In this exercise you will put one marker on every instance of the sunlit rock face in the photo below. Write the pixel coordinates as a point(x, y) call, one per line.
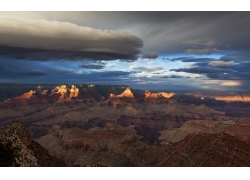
point(149, 94)
point(127, 93)
point(123, 100)
point(44, 92)
point(160, 97)
point(62, 90)
point(74, 91)
point(166, 95)
point(91, 86)
point(113, 96)
point(61, 93)
point(29, 98)
point(27, 95)
point(223, 96)
point(66, 93)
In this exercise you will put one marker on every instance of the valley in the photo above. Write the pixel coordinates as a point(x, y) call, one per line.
point(108, 125)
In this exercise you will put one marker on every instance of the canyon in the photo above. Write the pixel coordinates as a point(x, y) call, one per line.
point(108, 125)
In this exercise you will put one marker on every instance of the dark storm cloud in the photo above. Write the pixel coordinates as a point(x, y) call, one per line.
point(165, 32)
point(64, 72)
point(194, 32)
point(94, 76)
point(247, 65)
point(16, 72)
point(53, 40)
point(170, 34)
point(243, 55)
point(172, 76)
point(48, 55)
point(25, 69)
point(220, 70)
point(10, 70)
point(202, 70)
point(34, 73)
point(192, 59)
point(150, 55)
point(203, 51)
point(178, 59)
point(213, 75)
point(111, 73)
point(93, 66)
point(201, 46)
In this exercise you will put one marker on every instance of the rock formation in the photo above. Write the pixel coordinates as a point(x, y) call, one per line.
point(166, 95)
point(111, 146)
point(44, 92)
point(223, 96)
point(120, 101)
point(127, 128)
point(160, 97)
point(127, 93)
point(91, 86)
point(149, 94)
point(197, 150)
point(18, 149)
point(27, 95)
point(74, 91)
point(114, 146)
point(62, 90)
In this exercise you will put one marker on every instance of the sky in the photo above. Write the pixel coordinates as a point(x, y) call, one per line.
point(172, 50)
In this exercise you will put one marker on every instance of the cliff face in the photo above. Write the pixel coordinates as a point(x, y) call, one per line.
point(29, 98)
point(223, 96)
point(157, 98)
point(70, 94)
point(109, 146)
point(27, 95)
point(149, 94)
point(197, 150)
point(240, 129)
point(18, 149)
point(113, 146)
point(65, 92)
point(60, 93)
point(127, 93)
point(123, 100)
point(127, 98)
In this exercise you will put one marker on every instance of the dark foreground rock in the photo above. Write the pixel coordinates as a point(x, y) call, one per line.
point(18, 149)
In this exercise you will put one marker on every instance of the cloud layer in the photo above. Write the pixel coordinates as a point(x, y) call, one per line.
point(181, 50)
point(50, 40)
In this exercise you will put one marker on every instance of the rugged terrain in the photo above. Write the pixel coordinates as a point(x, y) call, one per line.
point(104, 125)
point(17, 148)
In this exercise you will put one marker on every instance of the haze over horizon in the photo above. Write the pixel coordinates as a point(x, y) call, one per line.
point(145, 50)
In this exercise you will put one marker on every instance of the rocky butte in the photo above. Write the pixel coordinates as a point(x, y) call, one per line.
point(127, 93)
point(160, 97)
point(66, 93)
point(149, 94)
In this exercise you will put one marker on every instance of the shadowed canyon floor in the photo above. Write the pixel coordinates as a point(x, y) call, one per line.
point(104, 125)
